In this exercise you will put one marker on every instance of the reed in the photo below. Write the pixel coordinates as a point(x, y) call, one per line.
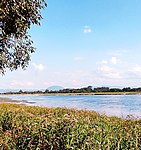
point(26, 127)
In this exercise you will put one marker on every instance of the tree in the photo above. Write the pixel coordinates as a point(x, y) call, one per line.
point(127, 89)
point(16, 17)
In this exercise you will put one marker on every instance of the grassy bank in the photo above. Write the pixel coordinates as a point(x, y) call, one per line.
point(25, 127)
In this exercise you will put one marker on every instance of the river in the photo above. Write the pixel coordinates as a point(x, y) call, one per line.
point(111, 105)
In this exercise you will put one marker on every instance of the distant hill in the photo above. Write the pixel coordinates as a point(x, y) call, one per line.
point(55, 88)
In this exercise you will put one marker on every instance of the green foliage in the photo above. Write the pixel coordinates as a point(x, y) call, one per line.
point(16, 17)
point(24, 127)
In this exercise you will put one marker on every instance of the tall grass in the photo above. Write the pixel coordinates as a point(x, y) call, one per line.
point(34, 128)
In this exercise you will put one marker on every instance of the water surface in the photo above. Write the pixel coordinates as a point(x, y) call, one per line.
point(112, 105)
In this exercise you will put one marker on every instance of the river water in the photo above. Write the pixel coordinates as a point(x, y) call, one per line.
point(111, 105)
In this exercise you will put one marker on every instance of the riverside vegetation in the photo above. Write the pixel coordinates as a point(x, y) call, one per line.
point(82, 91)
point(25, 127)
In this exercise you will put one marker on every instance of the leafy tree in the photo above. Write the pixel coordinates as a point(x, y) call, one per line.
point(115, 90)
point(102, 89)
point(127, 89)
point(16, 17)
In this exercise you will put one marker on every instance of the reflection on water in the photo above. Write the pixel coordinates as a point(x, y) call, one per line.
point(117, 105)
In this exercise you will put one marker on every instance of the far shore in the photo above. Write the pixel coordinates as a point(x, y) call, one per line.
point(69, 94)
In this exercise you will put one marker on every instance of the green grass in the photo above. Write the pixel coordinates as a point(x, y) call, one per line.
point(25, 127)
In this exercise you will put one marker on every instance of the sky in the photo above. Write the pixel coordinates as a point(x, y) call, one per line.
point(82, 43)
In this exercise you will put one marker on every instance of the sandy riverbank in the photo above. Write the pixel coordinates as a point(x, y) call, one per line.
point(8, 100)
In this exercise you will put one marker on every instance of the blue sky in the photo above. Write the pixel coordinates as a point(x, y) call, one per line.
point(81, 43)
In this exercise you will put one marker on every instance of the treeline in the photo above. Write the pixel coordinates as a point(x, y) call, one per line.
point(88, 89)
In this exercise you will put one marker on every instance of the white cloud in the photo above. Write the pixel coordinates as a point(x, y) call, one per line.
point(104, 73)
point(105, 69)
point(104, 62)
point(114, 60)
point(136, 69)
point(38, 67)
point(20, 84)
point(108, 72)
point(78, 58)
point(118, 52)
point(87, 29)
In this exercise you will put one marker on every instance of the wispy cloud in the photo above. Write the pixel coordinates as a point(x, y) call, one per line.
point(109, 68)
point(137, 69)
point(107, 71)
point(104, 62)
point(87, 29)
point(21, 84)
point(117, 53)
point(78, 58)
point(114, 60)
point(38, 67)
